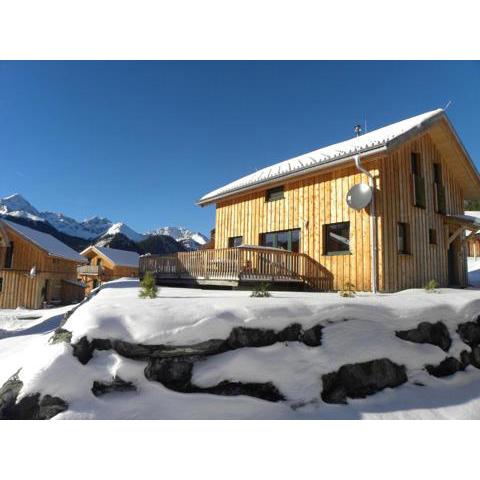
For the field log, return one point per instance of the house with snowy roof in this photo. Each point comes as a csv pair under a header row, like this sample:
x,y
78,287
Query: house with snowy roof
x,y
105,264
382,211
36,268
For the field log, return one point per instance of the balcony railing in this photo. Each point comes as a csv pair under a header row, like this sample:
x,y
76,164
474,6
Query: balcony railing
x,y
246,263
89,270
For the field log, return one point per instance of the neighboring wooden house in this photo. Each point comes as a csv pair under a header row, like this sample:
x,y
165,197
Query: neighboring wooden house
x,y
36,269
473,239
414,232
105,264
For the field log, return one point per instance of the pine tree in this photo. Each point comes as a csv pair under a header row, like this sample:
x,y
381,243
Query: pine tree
x,y
149,289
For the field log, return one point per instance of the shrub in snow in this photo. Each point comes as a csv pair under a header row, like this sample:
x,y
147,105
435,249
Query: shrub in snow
x,y
261,290
348,290
431,286
148,287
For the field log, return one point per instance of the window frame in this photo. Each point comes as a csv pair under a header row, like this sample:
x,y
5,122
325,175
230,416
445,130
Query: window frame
x,y
272,194
432,239
1,285
406,231
418,180
326,229
231,241
290,239
9,256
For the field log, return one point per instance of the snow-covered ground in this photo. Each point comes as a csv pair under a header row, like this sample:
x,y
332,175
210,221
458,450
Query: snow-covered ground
x,y
187,316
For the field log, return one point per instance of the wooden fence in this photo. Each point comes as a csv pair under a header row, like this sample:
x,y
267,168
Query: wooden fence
x,y
239,264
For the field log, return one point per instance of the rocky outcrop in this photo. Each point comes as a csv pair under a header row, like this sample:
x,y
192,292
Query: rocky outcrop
x,y
470,333
174,373
240,337
116,385
358,380
29,407
265,391
446,367
433,333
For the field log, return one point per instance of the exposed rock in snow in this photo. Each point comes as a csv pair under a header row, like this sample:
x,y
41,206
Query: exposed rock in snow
x,y
116,385
445,368
434,333
359,380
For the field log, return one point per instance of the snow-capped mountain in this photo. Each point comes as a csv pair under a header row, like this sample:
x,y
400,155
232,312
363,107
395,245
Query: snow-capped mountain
x,y
87,229
16,206
125,230
181,233
95,228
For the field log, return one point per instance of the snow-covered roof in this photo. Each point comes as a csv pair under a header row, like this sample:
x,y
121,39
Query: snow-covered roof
x,y
122,258
369,142
50,244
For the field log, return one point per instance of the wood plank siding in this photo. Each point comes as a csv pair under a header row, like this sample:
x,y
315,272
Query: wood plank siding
x,y
19,289
315,200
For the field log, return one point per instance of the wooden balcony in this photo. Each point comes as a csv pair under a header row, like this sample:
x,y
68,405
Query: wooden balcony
x,y
89,270
232,266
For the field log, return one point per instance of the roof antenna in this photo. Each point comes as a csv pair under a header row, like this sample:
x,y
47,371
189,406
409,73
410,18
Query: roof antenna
x,y
366,129
447,105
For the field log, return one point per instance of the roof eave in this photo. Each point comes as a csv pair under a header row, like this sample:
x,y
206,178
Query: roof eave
x,y
286,176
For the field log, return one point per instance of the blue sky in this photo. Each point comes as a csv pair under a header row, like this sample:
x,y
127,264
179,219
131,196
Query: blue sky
x,y
139,142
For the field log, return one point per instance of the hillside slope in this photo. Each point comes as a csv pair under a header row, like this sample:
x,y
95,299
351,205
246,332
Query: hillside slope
x,y
221,354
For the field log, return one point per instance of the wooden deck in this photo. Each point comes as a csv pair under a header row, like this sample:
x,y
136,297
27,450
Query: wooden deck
x,y
232,266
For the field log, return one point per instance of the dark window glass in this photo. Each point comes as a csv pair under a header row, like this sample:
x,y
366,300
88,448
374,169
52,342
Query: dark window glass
x,y
9,256
432,236
402,238
234,242
274,194
286,239
416,167
337,238
1,284
437,173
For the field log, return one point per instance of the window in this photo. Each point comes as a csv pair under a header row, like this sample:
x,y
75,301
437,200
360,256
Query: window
x,y
438,189
337,238
286,239
403,238
9,256
432,236
1,284
419,199
234,242
274,194
99,262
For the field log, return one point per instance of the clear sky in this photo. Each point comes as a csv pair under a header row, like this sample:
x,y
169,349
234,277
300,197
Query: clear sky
x,y
139,142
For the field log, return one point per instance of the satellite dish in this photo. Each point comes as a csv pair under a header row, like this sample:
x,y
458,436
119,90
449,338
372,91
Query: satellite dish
x,y
359,196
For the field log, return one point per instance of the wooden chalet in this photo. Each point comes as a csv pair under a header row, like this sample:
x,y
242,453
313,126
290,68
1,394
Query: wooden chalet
x,y
105,264
36,269
473,239
291,222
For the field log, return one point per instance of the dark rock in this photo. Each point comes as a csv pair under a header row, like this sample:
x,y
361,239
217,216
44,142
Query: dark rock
x,y
433,333
51,406
313,336
359,380
116,385
84,349
475,357
465,359
241,337
446,367
30,407
174,373
470,333
292,333
61,335
132,350
265,391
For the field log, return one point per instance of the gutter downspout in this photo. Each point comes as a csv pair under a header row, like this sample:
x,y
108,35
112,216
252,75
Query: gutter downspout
x,y
373,223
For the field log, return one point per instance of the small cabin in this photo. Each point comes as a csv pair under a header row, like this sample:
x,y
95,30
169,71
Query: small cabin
x,y
473,239
301,221
105,264
36,269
